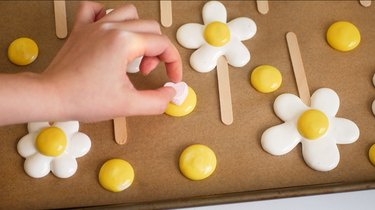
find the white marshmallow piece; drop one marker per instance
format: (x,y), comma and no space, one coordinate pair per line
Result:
(108,11)
(181,92)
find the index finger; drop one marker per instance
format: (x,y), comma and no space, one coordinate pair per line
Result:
(157,45)
(88,12)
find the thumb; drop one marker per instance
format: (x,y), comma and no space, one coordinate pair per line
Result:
(150,102)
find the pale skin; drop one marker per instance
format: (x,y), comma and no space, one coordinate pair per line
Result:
(87,79)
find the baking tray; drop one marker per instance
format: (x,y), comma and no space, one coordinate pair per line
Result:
(245,171)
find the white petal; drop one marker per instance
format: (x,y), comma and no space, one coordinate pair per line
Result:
(321,154)
(133,67)
(243,28)
(288,107)
(26,145)
(325,100)
(80,145)
(64,166)
(214,11)
(205,58)
(280,139)
(344,131)
(37,165)
(191,35)
(237,54)
(69,127)
(37,126)
(373,107)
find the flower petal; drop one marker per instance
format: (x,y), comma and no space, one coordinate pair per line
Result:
(344,131)
(69,127)
(280,139)
(64,166)
(214,11)
(37,165)
(80,145)
(288,107)
(243,28)
(37,126)
(321,154)
(237,54)
(205,58)
(26,145)
(326,100)
(191,35)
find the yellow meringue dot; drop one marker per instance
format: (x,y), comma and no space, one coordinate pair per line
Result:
(371,154)
(116,175)
(197,162)
(22,51)
(312,124)
(185,108)
(217,34)
(266,79)
(51,141)
(343,36)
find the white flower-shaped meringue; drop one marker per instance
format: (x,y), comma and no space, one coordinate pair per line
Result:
(316,127)
(216,38)
(53,148)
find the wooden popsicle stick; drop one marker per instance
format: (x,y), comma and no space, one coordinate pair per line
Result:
(299,70)
(121,134)
(365,3)
(262,6)
(60,19)
(224,91)
(166,12)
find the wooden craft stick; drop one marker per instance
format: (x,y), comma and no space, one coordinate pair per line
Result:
(299,70)
(224,91)
(166,12)
(262,6)
(365,3)
(121,134)
(60,19)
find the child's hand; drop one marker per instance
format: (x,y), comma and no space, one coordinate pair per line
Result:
(88,75)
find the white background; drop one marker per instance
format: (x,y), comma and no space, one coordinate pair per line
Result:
(357,200)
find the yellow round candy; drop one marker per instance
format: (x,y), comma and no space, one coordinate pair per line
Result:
(51,141)
(22,51)
(343,36)
(197,162)
(371,154)
(312,124)
(116,175)
(266,79)
(217,34)
(185,108)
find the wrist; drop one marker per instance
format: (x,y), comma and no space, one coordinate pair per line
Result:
(51,97)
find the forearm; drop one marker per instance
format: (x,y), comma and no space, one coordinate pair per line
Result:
(26,97)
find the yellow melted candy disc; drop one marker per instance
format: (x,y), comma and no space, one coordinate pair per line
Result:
(312,124)
(185,108)
(23,51)
(116,175)
(217,34)
(266,79)
(343,36)
(197,162)
(371,154)
(51,141)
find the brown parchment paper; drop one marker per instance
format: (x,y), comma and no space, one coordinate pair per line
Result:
(244,170)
